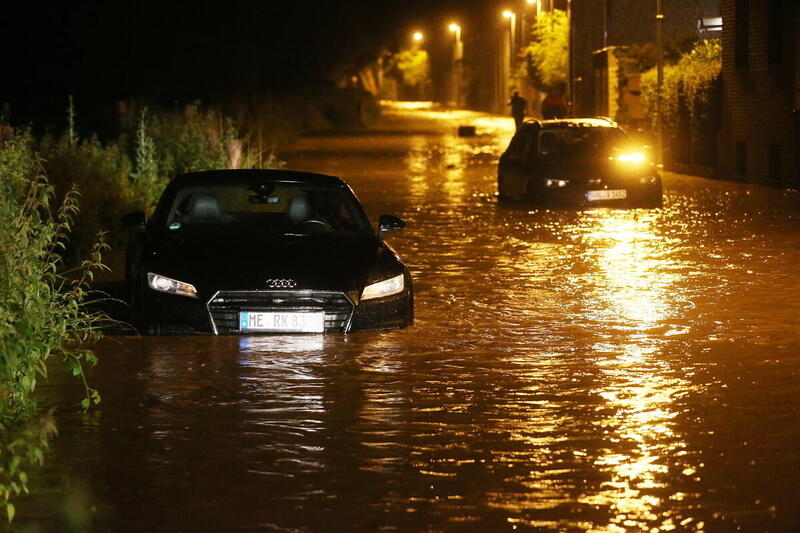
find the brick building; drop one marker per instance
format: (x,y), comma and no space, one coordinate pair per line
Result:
(759,137)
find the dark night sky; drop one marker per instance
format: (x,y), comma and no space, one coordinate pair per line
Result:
(103,52)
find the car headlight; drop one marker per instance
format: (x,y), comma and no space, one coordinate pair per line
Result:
(551,183)
(635,157)
(630,158)
(172,286)
(384,288)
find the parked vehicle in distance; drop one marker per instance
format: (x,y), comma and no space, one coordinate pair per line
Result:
(577,162)
(260,251)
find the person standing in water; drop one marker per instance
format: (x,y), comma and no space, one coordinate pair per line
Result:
(519,107)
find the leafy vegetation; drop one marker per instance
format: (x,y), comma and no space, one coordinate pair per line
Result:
(101,174)
(414,66)
(144,178)
(128,173)
(407,75)
(42,313)
(691,77)
(546,57)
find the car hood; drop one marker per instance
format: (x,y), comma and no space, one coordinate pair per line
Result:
(584,169)
(313,262)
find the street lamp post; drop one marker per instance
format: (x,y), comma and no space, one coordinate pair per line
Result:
(660,81)
(456,29)
(526,34)
(512,17)
(503,64)
(570,63)
(455,71)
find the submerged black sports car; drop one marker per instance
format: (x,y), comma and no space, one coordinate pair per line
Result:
(244,251)
(577,162)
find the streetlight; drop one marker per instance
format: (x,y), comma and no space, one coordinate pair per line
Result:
(458,55)
(417,37)
(526,31)
(512,17)
(455,28)
(660,80)
(458,49)
(570,62)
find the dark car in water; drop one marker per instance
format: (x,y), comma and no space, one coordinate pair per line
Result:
(577,162)
(260,251)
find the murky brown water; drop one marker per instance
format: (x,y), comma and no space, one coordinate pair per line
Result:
(599,370)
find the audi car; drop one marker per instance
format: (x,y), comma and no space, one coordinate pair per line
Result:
(264,251)
(577,162)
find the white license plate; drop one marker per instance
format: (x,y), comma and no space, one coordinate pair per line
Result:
(613,194)
(284,322)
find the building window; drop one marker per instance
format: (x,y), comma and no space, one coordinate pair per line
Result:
(741,158)
(742,25)
(774,169)
(775,32)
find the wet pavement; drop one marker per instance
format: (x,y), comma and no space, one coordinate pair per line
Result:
(598,370)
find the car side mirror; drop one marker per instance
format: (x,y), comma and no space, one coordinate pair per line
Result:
(388,224)
(135,220)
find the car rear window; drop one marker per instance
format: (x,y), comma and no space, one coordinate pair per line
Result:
(579,141)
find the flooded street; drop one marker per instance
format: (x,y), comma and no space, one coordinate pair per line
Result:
(599,370)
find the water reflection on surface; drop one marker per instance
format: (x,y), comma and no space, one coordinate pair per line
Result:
(570,370)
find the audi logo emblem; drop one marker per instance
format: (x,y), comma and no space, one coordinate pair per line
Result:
(281,283)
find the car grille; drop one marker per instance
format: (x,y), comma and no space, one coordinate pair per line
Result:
(224,307)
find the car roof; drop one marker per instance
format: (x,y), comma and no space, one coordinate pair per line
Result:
(588,122)
(209,177)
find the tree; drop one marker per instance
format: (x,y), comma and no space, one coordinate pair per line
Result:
(413,66)
(546,57)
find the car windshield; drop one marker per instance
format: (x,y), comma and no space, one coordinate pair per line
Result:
(267,209)
(579,142)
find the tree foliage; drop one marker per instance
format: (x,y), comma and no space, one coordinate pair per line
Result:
(546,57)
(691,77)
(413,66)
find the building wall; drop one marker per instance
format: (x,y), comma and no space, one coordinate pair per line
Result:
(634,21)
(758,139)
(587,36)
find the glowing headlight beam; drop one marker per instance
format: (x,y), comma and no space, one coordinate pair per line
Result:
(161,283)
(635,157)
(384,288)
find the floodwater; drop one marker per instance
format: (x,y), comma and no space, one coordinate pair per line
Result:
(599,370)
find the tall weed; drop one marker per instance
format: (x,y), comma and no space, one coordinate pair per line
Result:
(102,175)
(189,140)
(42,314)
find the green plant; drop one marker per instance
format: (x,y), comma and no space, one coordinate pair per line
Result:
(42,312)
(145,181)
(102,174)
(413,66)
(546,56)
(72,133)
(691,77)
(189,141)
